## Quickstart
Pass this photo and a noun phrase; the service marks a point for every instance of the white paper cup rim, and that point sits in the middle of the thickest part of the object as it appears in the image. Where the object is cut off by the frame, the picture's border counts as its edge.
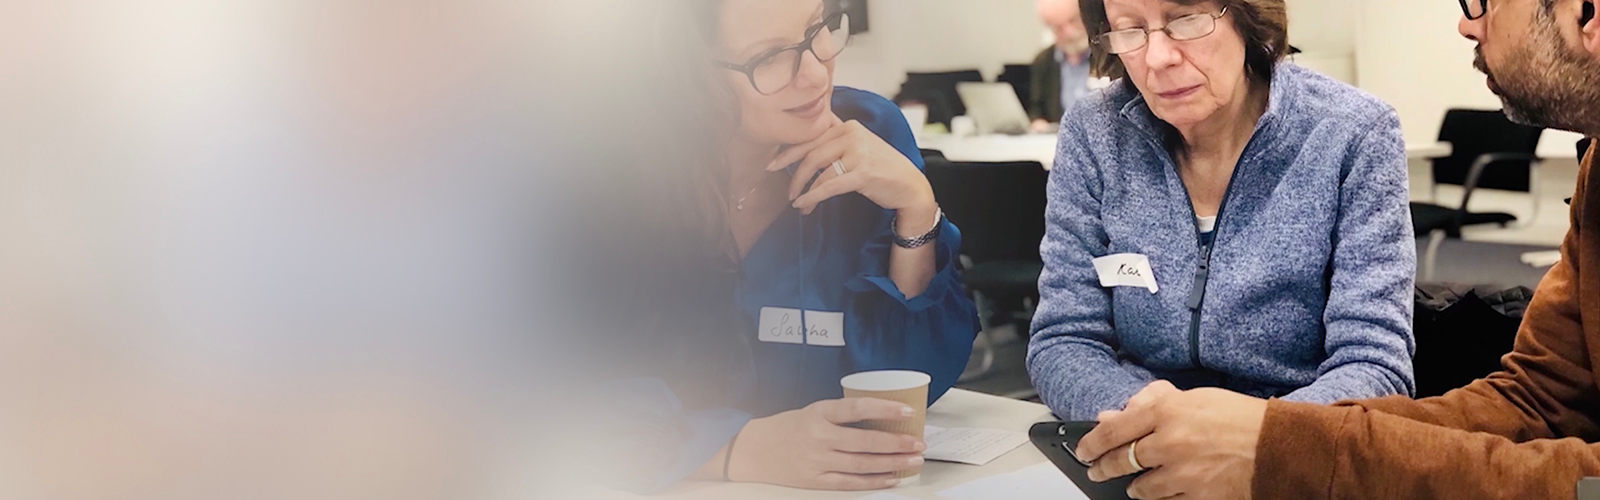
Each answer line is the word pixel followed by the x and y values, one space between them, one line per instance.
pixel 885 380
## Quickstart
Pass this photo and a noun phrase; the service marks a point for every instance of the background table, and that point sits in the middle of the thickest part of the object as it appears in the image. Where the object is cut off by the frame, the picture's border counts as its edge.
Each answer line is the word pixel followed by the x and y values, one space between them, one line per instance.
pixel 958 408
pixel 1042 148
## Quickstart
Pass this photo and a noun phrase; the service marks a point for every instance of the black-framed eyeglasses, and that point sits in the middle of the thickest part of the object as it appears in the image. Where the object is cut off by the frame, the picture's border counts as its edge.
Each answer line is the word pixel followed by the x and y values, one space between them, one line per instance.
pixel 1182 29
pixel 1474 9
pixel 775 69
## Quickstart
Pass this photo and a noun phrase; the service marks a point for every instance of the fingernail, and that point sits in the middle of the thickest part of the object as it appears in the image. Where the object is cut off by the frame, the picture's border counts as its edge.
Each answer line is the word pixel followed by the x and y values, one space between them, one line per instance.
pixel 906 411
pixel 914 461
pixel 919 446
pixel 891 483
pixel 1094 475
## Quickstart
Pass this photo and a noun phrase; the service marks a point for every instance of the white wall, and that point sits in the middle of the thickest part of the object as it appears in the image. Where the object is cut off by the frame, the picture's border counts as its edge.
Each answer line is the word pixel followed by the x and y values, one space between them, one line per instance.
pixel 1410 54
pixel 1406 52
pixel 934 35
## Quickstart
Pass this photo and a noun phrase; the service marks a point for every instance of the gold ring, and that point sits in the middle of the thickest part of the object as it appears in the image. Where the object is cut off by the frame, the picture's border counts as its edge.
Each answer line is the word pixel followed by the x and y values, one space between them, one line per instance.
pixel 1134 460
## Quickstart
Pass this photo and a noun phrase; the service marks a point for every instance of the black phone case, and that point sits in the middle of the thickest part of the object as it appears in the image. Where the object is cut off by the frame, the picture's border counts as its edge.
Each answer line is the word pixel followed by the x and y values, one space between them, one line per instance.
pixel 1057 440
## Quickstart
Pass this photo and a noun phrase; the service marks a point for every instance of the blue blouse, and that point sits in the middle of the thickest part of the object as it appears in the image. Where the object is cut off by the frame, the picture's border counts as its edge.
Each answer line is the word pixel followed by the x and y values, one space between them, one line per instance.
pixel 813 269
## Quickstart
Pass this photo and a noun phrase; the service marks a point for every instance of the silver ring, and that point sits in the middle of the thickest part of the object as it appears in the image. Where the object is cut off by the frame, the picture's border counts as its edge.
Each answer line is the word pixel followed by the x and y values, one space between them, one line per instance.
pixel 1134 460
pixel 838 168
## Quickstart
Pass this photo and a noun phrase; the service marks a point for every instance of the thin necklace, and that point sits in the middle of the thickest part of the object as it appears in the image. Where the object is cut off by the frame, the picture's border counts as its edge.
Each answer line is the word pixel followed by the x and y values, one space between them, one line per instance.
pixel 739 204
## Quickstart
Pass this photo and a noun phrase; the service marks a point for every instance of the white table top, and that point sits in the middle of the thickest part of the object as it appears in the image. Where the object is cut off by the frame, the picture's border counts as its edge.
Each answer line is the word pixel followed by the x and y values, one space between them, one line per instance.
pixel 958 408
pixel 1042 148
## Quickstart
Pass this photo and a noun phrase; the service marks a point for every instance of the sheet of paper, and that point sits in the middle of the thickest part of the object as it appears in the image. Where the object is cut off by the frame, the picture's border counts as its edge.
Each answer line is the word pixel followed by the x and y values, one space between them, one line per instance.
pixel 1038 482
pixel 969 446
pixel 885 496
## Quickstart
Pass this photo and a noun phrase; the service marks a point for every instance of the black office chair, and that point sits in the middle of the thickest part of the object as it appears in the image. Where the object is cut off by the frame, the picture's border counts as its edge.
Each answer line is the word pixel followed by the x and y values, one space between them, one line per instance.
pixel 1020 76
pixel 999 208
pixel 1479 139
pixel 937 91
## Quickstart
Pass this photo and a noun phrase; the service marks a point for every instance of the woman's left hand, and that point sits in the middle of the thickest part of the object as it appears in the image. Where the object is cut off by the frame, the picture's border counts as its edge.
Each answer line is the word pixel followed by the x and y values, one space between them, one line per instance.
pixel 866 165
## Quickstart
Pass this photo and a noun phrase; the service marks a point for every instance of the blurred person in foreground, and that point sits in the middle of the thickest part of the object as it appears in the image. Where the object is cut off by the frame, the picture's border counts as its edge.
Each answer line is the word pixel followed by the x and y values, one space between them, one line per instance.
pixel 1061 72
pixel 802 245
pixel 1218 218
pixel 1527 431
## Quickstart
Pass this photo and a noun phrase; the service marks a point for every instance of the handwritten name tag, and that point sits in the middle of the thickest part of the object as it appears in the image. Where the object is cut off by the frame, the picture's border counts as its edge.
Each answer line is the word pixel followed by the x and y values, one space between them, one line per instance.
pixel 785 326
pixel 825 328
pixel 1126 269
pixel 780 325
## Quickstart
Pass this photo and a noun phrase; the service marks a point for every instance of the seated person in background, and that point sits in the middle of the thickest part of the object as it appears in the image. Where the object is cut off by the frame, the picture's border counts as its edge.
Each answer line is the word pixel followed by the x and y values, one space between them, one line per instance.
pixel 1220 219
pixel 829 256
pixel 1061 72
pixel 1528 431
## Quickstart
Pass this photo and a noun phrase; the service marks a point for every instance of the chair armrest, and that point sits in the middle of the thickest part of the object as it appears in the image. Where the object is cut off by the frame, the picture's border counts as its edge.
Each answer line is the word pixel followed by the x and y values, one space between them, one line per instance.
pixel 1480 164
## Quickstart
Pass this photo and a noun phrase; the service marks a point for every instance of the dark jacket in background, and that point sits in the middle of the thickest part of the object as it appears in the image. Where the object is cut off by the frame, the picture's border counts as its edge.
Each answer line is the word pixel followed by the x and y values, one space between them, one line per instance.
pixel 1044 96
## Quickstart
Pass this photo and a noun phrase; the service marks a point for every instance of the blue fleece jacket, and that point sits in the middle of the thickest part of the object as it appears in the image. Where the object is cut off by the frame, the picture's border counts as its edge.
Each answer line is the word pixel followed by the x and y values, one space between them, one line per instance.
pixel 1307 291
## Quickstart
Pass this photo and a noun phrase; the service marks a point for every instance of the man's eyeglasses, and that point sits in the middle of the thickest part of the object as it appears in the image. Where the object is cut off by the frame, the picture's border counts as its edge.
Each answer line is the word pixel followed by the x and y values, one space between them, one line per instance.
pixel 1474 9
pixel 775 69
pixel 1182 29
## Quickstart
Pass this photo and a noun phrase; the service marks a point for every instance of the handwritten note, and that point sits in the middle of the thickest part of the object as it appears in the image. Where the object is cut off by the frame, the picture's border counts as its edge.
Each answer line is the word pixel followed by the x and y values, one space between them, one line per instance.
pixel 970 446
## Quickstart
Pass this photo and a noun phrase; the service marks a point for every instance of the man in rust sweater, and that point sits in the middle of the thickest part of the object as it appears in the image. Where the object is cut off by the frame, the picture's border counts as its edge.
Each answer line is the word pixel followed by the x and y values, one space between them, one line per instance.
pixel 1531 430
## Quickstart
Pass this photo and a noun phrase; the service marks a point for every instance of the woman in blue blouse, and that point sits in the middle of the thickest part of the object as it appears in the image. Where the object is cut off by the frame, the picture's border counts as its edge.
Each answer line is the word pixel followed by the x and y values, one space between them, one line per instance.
pixel 841 262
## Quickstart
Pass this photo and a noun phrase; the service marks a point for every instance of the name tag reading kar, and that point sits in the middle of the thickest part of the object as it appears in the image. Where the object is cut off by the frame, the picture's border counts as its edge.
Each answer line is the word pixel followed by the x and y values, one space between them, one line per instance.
pixel 1126 269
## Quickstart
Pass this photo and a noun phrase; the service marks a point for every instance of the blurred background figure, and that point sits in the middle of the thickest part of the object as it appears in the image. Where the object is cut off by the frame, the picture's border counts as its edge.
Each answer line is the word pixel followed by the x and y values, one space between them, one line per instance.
pixel 276 249
pixel 1061 71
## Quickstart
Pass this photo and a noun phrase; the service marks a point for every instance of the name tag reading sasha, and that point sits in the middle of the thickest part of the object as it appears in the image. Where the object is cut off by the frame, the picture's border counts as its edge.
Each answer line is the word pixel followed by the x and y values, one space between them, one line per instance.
pixel 1126 269
pixel 825 328
pixel 785 326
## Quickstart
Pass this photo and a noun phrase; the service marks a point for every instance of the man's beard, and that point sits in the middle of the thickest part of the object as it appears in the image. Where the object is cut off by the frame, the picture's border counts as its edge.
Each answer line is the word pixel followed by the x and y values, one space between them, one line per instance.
pixel 1544 84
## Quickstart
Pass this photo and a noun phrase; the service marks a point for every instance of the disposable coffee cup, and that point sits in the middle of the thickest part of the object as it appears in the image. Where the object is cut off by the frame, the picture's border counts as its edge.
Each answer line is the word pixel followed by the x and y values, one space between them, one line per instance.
pixel 903 386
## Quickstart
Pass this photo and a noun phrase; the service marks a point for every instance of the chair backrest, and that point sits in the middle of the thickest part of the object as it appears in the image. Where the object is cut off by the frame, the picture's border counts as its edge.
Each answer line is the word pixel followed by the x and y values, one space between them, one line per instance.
pixel 938 92
pixel 999 207
pixel 1020 76
pixel 1472 133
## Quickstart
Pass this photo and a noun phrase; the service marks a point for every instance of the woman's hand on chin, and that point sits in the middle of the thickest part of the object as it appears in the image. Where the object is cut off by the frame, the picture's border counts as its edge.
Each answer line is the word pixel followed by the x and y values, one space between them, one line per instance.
pixel 852 159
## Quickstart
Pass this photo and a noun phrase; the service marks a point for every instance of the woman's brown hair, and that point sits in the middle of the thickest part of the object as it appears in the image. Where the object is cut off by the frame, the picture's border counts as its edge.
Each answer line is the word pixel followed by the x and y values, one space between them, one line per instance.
pixel 1264 24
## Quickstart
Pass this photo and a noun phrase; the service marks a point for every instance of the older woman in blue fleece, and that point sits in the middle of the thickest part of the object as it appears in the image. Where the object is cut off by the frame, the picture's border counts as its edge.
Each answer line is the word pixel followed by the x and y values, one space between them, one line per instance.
pixel 1218 218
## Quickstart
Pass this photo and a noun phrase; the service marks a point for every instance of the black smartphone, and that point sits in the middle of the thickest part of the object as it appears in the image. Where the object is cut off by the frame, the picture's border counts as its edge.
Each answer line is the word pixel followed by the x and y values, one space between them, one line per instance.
pixel 1057 440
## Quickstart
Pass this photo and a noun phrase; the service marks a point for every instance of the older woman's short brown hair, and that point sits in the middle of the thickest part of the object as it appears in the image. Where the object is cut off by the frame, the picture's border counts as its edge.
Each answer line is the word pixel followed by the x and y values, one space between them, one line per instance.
pixel 1264 24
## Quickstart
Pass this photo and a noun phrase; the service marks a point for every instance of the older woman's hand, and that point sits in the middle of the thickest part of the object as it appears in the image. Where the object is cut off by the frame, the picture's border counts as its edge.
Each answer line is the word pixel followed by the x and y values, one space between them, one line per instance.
pixel 856 160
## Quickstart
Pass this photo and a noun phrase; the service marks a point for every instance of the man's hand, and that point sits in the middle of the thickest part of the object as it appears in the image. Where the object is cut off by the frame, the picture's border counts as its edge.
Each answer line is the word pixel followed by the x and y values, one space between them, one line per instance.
pixel 1199 443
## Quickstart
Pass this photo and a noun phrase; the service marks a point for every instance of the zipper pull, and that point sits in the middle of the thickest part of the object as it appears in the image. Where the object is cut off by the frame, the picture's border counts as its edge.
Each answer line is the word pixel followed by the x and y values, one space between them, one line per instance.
pixel 1201 274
